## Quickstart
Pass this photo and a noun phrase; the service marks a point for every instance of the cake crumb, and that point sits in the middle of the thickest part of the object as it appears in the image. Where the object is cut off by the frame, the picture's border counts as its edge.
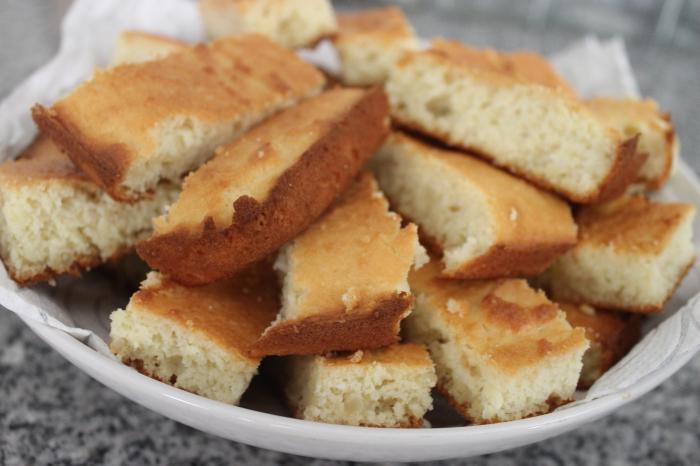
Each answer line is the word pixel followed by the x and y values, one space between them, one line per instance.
pixel 356 356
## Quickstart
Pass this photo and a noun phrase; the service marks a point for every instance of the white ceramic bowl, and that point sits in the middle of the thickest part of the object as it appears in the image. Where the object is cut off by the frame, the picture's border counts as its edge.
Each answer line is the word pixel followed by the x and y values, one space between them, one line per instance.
pixel 332 441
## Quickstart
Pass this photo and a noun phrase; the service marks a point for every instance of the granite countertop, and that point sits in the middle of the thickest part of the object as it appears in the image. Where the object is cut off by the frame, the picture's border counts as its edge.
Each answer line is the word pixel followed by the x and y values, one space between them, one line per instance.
pixel 52 413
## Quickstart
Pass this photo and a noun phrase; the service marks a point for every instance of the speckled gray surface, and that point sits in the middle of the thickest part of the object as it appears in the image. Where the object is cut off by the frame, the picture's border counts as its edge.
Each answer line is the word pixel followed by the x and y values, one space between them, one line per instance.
pixel 52 413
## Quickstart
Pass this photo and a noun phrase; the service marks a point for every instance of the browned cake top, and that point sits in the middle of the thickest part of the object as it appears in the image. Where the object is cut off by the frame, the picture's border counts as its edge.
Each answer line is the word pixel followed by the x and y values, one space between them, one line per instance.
pixel 233 312
pixel 644 112
pixel 504 320
pixel 216 82
pixel 351 258
pixel 253 164
pixel 39 162
pixel 631 224
pixel 519 66
pixel 400 354
pixel 389 23
pixel 608 328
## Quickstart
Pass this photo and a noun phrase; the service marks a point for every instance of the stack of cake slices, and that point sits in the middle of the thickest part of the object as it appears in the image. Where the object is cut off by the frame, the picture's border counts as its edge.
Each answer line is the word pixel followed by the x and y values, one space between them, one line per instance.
pixel 450 221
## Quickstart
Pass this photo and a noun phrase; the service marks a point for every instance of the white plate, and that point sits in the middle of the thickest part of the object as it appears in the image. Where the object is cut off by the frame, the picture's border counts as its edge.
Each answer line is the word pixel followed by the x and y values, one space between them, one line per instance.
pixel 331 441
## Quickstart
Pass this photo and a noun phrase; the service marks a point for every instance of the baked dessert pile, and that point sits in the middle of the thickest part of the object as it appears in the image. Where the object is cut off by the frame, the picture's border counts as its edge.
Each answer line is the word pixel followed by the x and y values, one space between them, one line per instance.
pixel 446 221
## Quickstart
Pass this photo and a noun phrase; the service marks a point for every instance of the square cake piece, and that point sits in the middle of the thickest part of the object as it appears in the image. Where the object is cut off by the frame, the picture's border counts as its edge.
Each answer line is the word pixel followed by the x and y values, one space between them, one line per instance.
pixel 502 350
pixel 345 279
pixel 612 334
pixel 657 138
pixel 631 255
pixel 485 222
pixel 369 42
pixel 197 99
pixel 387 387
pixel 291 23
pixel 265 188
pixel 197 339
pixel 515 111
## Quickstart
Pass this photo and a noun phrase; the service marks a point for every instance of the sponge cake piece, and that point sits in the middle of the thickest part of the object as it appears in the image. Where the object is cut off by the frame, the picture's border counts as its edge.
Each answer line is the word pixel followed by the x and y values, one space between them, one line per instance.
pixel 486 223
pixel 196 100
pixel 631 255
pixel 39 241
pixel 657 138
pixel 53 220
pixel 291 23
pixel 612 334
pixel 267 187
pixel 140 46
pixel 502 350
pixel 345 279
pixel 387 387
pixel 486 101
pixel 197 338
pixel 369 42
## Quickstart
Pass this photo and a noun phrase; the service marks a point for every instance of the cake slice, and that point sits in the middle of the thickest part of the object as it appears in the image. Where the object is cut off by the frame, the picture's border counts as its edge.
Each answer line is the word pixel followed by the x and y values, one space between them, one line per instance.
pixel 140 46
pixel 502 351
pixel 657 138
pixel 485 222
pixel 132 126
pixel 387 387
pixel 513 110
pixel 267 187
pixel 612 334
pixel 631 255
pixel 197 339
pixel 345 279
pixel 54 221
pixel 291 23
pixel 369 42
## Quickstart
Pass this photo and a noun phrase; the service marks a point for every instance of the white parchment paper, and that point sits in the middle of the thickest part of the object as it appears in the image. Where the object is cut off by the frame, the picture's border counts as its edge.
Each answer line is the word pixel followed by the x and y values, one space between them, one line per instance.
pixel 81 307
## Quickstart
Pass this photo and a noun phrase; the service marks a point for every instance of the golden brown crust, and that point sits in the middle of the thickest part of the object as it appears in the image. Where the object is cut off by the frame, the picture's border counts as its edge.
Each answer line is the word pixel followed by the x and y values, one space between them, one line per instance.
pixel 301 194
pixel 106 167
pixel 612 335
pixel 337 331
pixel 553 402
pixel 502 261
pixel 388 23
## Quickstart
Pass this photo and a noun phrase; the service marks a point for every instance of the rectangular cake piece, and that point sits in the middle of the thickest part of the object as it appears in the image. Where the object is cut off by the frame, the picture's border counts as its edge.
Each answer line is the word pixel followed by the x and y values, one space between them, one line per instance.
pixel 387 387
pixel 141 46
pixel 267 187
pixel 197 339
pixel 502 350
pixel 291 23
pixel 54 219
pixel 485 222
pixel 657 138
pixel 345 279
pixel 369 42
pixel 513 110
pixel 131 126
pixel 631 255
pixel 612 334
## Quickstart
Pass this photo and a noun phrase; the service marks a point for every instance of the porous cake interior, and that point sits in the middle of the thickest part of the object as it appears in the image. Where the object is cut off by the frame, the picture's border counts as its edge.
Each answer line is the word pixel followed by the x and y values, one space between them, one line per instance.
pixel 180 356
pixel 374 394
pixel 52 223
pixel 526 126
pixel 449 210
pixel 485 392
pixel 601 274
